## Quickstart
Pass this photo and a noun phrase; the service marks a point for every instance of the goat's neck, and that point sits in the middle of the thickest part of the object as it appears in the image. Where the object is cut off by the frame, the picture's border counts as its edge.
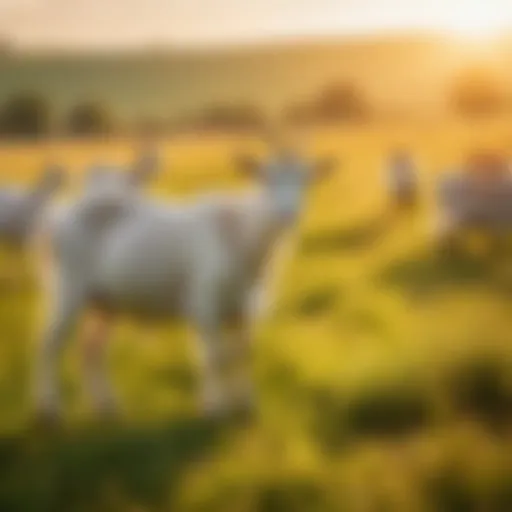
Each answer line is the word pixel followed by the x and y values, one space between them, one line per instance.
pixel 40 195
pixel 264 229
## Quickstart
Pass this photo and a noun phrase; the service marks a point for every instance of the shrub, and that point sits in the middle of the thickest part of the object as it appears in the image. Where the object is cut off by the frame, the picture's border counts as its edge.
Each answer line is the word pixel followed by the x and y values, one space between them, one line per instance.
pixel 388 410
pixel 478 93
pixel 480 388
pixel 341 102
pixel 25 115
pixel 89 119
pixel 289 495
pixel 449 491
pixel 384 410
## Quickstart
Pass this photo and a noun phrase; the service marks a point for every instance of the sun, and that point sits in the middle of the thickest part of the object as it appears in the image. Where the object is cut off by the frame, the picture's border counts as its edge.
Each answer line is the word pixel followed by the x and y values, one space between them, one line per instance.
pixel 477 22
pixel 474 28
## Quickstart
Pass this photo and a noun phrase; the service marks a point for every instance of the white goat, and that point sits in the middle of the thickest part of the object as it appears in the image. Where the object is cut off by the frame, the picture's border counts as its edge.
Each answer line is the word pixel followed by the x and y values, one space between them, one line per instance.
pixel 401 179
pixel 21 208
pixel 466 201
pixel 200 261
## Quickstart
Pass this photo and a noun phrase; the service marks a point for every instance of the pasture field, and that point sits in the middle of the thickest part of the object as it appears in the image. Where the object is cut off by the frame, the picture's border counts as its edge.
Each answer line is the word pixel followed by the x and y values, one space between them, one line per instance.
pixel 384 372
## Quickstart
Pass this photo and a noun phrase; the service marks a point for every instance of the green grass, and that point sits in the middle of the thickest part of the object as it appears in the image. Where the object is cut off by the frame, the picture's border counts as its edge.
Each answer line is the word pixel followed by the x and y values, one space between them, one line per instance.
pixel 384 374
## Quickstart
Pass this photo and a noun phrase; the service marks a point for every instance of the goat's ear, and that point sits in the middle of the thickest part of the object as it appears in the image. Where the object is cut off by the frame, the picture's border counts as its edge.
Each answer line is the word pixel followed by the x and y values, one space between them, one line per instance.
pixel 324 168
pixel 145 167
pixel 248 164
pixel 53 177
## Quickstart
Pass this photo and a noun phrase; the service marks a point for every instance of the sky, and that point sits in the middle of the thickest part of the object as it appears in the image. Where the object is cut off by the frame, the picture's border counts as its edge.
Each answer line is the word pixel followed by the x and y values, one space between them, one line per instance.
pixel 133 23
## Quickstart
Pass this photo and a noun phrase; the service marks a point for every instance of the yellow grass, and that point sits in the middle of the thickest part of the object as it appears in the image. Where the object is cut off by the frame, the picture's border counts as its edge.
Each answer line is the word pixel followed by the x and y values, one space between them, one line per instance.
pixel 384 372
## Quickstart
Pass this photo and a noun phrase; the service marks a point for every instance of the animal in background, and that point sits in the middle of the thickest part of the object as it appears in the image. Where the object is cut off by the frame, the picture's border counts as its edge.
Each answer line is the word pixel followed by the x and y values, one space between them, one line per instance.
pixel 20 207
pixel 401 180
pixel 478 196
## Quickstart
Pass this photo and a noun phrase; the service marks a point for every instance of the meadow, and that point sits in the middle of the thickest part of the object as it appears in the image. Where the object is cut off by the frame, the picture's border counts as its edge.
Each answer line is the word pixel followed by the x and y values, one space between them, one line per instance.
pixel 384 372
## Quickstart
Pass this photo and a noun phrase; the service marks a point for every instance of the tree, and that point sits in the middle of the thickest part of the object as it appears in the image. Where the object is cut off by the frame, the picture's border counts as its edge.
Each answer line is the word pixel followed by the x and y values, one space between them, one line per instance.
pixel 88 119
pixel 25 115
pixel 6 48
pixel 338 102
pixel 341 102
pixel 478 93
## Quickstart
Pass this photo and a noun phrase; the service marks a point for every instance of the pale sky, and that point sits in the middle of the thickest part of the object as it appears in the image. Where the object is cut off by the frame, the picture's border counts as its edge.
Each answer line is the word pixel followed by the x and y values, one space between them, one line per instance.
pixel 119 23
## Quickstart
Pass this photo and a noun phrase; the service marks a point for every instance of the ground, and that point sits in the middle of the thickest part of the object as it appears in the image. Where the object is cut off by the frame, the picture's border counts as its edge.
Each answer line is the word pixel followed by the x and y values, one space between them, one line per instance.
pixel 384 372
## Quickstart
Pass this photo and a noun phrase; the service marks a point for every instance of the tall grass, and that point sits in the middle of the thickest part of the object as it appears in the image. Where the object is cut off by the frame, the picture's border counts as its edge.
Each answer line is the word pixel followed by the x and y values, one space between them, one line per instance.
pixel 384 374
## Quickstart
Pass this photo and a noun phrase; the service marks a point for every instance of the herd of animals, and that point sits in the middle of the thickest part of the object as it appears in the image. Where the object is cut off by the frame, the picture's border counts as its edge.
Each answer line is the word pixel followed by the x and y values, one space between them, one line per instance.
pixel 114 250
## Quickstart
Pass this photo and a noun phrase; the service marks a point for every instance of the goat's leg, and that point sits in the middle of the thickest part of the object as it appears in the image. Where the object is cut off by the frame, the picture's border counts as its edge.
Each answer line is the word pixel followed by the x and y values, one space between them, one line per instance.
pixel 206 320
pixel 94 343
pixel 62 318
pixel 242 382
pixel 211 360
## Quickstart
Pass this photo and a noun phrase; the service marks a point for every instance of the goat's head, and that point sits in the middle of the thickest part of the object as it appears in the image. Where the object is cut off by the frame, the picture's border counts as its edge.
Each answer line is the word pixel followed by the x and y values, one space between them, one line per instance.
pixel 286 177
pixel 112 180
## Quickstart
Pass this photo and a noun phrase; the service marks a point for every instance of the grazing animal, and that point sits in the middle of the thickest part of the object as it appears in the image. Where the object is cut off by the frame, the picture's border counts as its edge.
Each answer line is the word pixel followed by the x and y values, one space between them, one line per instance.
pixel 200 261
pixel 109 189
pixel 401 180
pixel 21 208
pixel 478 197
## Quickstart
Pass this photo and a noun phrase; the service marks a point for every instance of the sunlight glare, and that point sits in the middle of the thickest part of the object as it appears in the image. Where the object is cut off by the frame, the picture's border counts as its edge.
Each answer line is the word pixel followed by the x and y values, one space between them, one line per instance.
pixel 476 22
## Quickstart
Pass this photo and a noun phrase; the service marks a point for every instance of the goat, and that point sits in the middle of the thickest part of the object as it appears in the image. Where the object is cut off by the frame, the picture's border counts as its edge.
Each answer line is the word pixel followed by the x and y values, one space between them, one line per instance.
pixel 200 261
pixel 20 208
pixel 401 180
pixel 478 197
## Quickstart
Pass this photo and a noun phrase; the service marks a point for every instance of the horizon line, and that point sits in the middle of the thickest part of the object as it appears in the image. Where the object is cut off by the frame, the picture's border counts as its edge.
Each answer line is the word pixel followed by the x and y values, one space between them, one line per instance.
pixel 224 46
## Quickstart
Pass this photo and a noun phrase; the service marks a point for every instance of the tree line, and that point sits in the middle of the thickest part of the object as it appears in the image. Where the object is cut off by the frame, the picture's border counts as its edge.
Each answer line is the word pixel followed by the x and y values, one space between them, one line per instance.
pixel 472 93
pixel 29 115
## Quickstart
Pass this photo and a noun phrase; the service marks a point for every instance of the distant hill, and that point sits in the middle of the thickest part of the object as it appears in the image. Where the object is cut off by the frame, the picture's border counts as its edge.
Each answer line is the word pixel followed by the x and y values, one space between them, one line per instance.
pixel 404 73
